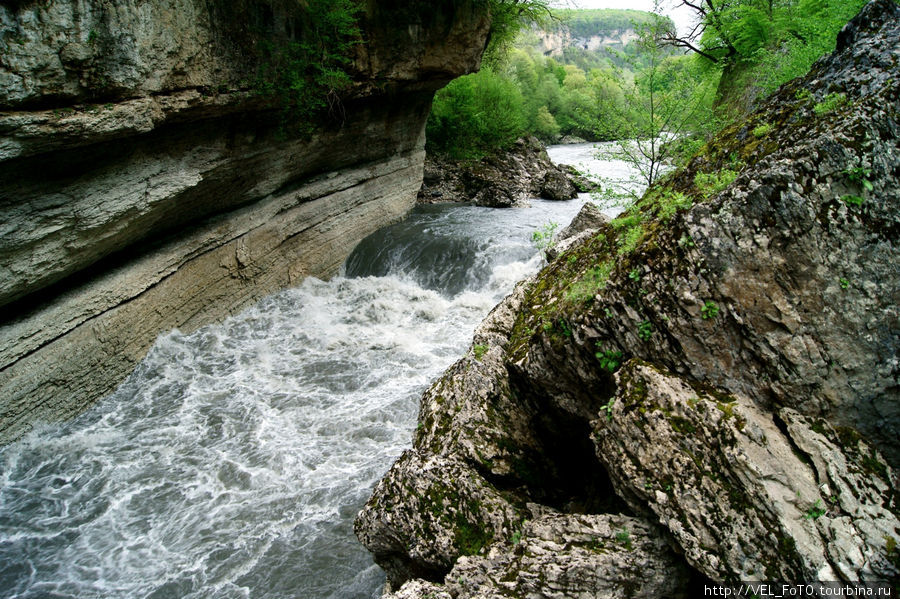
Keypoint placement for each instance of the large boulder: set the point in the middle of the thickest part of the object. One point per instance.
(503, 179)
(748, 494)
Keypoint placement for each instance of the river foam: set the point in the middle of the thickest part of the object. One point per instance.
(233, 460)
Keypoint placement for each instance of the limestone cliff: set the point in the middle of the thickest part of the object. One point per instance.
(718, 366)
(145, 185)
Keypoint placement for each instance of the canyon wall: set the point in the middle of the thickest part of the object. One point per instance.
(703, 390)
(145, 185)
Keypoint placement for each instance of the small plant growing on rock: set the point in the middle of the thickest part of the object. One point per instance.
(608, 408)
(584, 289)
(610, 360)
(860, 176)
(853, 200)
(709, 184)
(635, 274)
(543, 238)
(845, 283)
(645, 330)
(671, 202)
(830, 103)
(709, 310)
(815, 511)
(623, 537)
(686, 241)
(479, 351)
(762, 130)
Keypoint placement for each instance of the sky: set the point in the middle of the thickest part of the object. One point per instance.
(683, 17)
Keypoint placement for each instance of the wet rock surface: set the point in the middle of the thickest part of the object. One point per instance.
(723, 371)
(502, 180)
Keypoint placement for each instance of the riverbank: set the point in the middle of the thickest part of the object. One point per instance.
(506, 178)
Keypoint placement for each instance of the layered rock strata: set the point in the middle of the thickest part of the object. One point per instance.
(144, 185)
(716, 367)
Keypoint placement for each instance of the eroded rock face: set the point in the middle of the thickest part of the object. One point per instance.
(747, 494)
(144, 185)
(560, 556)
(728, 371)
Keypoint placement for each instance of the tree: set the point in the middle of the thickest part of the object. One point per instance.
(664, 104)
(763, 43)
(545, 126)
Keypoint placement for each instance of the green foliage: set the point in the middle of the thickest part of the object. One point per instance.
(623, 537)
(610, 360)
(508, 18)
(545, 125)
(801, 31)
(815, 511)
(478, 351)
(602, 22)
(670, 202)
(845, 283)
(584, 289)
(860, 176)
(709, 184)
(853, 200)
(645, 330)
(762, 130)
(475, 115)
(670, 98)
(608, 407)
(305, 76)
(543, 238)
(830, 103)
(709, 310)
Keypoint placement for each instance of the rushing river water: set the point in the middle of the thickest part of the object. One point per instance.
(232, 462)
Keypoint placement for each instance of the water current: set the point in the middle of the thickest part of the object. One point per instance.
(232, 462)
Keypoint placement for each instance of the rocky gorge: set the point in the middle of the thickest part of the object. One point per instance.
(704, 389)
(146, 185)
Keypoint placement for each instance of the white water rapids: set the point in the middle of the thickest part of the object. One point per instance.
(232, 462)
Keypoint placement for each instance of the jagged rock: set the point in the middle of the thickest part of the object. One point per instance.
(506, 178)
(571, 140)
(562, 556)
(429, 510)
(460, 412)
(420, 589)
(589, 218)
(747, 494)
(557, 186)
(777, 287)
(587, 222)
(581, 182)
(768, 311)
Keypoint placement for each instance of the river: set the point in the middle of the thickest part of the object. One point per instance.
(232, 462)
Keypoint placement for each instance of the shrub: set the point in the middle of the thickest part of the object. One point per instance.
(475, 115)
(709, 184)
(305, 77)
(830, 103)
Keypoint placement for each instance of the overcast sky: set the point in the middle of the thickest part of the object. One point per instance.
(682, 16)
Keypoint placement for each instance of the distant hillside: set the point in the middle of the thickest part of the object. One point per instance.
(585, 30)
